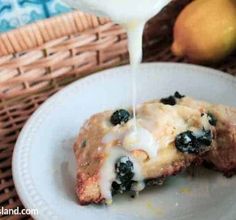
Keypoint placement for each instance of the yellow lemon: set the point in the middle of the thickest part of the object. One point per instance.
(206, 30)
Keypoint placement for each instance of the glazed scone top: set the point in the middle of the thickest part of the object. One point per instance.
(163, 122)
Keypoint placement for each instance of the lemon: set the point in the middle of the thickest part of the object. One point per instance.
(206, 30)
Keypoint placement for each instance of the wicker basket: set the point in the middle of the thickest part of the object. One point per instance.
(39, 59)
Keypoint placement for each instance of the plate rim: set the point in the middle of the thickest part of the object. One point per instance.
(20, 153)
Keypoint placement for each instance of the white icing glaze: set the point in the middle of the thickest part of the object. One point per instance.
(113, 135)
(139, 186)
(138, 138)
(141, 139)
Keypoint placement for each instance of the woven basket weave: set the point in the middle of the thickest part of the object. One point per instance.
(39, 59)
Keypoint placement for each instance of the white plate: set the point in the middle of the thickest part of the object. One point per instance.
(44, 165)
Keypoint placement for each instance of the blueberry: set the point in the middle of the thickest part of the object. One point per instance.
(120, 188)
(188, 142)
(178, 95)
(169, 100)
(205, 138)
(115, 186)
(212, 119)
(120, 116)
(124, 170)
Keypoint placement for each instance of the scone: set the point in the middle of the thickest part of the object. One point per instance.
(115, 155)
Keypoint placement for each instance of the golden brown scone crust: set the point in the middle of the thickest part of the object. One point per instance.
(90, 158)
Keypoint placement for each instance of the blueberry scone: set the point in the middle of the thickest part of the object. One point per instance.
(114, 154)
